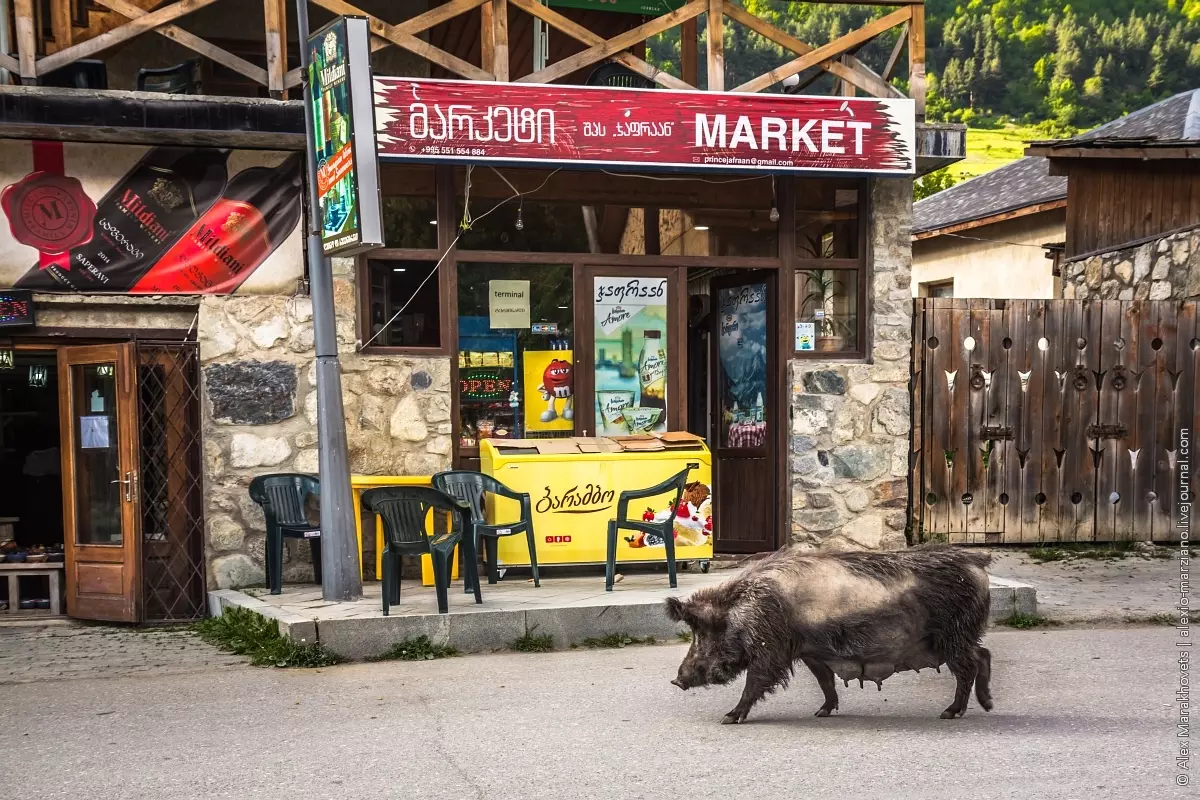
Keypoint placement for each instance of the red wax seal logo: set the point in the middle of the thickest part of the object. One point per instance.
(49, 212)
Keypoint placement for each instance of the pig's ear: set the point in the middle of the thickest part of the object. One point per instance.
(675, 609)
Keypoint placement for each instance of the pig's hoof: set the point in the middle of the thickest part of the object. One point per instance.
(985, 703)
(734, 717)
(825, 711)
(951, 713)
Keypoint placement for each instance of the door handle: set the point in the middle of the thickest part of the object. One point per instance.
(127, 483)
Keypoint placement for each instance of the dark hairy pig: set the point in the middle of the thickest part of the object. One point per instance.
(859, 616)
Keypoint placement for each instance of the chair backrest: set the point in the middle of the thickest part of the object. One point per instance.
(613, 74)
(86, 73)
(404, 509)
(470, 487)
(282, 495)
(179, 79)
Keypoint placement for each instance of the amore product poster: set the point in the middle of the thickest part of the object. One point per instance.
(127, 219)
(631, 355)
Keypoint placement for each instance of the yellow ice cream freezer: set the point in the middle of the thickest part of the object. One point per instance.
(574, 485)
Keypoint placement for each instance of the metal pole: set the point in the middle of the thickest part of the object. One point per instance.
(340, 576)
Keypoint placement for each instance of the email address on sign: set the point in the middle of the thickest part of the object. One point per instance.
(760, 162)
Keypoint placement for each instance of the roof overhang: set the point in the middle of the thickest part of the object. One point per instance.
(86, 115)
(1130, 149)
(939, 144)
(991, 219)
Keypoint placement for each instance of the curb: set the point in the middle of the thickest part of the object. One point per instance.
(485, 631)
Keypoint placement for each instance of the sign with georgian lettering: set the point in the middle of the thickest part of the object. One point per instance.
(516, 123)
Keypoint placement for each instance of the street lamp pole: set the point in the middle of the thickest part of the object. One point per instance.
(341, 578)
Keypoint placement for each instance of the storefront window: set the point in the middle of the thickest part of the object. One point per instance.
(528, 227)
(409, 207)
(515, 336)
(826, 220)
(827, 310)
(403, 304)
(631, 354)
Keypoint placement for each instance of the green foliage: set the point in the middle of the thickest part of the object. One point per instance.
(246, 633)
(1078, 64)
(614, 640)
(533, 642)
(685, 637)
(415, 648)
(933, 183)
(1027, 621)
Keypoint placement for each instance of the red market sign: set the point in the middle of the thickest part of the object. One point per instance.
(480, 122)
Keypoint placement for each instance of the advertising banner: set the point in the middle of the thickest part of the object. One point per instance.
(631, 355)
(549, 125)
(343, 129)
(742, 346)
(549, 388)
(149, 220)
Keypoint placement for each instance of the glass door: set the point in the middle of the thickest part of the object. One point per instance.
(97, 404)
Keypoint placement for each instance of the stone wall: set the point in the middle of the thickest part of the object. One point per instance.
(1164, 269)
(850, 421)
(260, 409)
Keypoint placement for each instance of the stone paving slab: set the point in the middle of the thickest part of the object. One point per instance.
(570, 609)
(71, 650)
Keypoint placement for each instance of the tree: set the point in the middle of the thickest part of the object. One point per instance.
(933, 183)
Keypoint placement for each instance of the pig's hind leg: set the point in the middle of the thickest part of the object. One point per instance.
(824, 676)
(760, 681)
(983, 691)
(965, 667)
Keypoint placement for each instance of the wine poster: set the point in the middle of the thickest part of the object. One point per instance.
(631, 355)
(131, 219)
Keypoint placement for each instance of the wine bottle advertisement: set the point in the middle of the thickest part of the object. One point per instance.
(129, 219)
(631, 355)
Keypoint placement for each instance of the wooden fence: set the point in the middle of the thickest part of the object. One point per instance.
(1051, 420)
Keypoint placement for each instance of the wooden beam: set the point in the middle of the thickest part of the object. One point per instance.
(275, 15)
(849, 70)
(991, 219)
(140, 22)
(26, 39)
(689, 55)
(828, 51)
(403, 35)
(845, 88)
(916, 60)
(60, 23)
(582, 34)
(716, 45)
(293, 78)
(500, 40)
(611, 47)
(895, 56)
(487, 37)
(9, 63)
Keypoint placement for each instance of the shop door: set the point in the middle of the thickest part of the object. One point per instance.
(97, 404)
(745, 411)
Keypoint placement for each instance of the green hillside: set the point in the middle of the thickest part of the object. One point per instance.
(990, 148)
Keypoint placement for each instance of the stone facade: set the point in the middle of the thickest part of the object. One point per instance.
(1163, 269)
(260, 409)
(850, 420)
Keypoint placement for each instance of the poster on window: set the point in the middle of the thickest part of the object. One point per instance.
(742, 346)
(119, 219)
(631, 355)
(549, 386)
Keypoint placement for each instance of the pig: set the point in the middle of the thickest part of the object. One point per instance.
(861, 616)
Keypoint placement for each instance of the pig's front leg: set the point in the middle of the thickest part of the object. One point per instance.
(759, 681)
(824, 676)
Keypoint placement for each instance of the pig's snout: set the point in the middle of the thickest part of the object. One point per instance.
(680, 684)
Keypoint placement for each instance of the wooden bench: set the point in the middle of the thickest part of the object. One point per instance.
(15, 572)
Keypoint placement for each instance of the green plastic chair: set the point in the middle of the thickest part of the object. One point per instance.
(473, 488)
(282, 497)
(665, 529)
(404, 510)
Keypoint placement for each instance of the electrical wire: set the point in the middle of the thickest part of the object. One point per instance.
(449, 250)
(993, 241)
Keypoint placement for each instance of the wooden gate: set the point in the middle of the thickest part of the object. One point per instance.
(1051, 420)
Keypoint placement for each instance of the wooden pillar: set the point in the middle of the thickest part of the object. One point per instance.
(689, 33)
(716, 46)
(487, 38)
(916, 60)
(275, 13)
(60, 23)
(26, 40)
(651, 231)
(500, 40)
(846, 88)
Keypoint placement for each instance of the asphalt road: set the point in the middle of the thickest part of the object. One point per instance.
(1079, 714)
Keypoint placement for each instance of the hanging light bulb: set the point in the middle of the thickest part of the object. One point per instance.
(774, 215)
(520, 222)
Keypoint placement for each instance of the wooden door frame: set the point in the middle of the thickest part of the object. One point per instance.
(124, 356)
(776, 398)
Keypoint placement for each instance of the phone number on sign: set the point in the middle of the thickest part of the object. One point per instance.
(440, 150)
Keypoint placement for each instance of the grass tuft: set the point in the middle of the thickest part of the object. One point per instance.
(1026, 621)
(614, 640)
(246, 633)
(685, 637)
(1107, 552)
(415, 648)
(1152, 619)
(533, 642)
